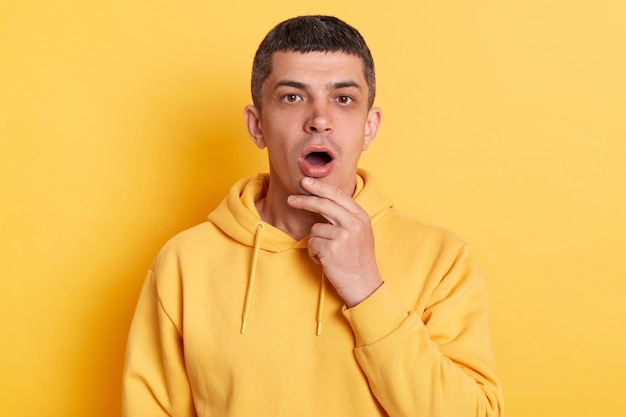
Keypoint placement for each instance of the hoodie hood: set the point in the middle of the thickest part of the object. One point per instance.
(238, 217)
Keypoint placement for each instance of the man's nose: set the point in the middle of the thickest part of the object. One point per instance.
(320, 120)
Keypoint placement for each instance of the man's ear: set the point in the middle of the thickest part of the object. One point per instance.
(374, 117)
(252, 116)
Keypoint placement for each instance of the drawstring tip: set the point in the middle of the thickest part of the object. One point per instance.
(319, 328)
(243, 326)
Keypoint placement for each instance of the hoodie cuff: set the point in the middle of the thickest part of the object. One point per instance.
(375, 317)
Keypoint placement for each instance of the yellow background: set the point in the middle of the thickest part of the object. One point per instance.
(121, 124)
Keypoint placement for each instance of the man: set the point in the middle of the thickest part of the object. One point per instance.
(236, 317)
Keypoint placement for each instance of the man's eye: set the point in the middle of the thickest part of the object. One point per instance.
(292, 98)
(344, 99)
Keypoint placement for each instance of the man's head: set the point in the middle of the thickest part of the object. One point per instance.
(313, 77)
(311, 34)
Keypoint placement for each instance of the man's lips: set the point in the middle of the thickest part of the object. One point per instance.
(316, 161)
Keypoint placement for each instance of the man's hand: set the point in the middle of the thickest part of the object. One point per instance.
(345, 245)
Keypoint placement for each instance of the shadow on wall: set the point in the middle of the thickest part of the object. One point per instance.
(195, 148)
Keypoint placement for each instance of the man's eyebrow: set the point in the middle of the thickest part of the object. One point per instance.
(345, 84)
(302, 86)
(289, 83)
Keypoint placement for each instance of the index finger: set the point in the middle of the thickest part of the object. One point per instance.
(330, 192)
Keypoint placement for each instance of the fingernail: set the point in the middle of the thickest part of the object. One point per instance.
(291, 198)
(307, 181)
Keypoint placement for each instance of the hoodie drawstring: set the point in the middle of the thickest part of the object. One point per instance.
(246, 306)
(321, 303)
(255, 253)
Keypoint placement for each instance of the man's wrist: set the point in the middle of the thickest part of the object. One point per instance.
(364, 292)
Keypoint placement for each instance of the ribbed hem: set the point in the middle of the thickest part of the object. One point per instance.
(375, 317)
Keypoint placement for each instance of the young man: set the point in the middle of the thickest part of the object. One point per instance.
(236, 317)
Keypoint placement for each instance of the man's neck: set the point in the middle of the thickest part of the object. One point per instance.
(294, 222)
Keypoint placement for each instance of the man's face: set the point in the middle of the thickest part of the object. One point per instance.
(314, 120)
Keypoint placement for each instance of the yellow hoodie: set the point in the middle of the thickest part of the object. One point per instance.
(419, 346)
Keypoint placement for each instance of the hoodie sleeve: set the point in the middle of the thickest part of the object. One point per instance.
(155, 380)
(438, 362)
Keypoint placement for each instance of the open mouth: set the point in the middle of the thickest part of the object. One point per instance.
(317, 161)
(318, 158)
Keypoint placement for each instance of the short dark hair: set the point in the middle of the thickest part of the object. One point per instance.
(311, 34)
